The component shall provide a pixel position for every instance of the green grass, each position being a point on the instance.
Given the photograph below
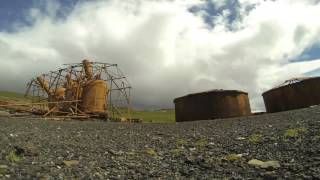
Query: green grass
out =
(13, 157)
(202, 142)
(161, 116)
(291, 133)
(233, 157)
(181, 142)
(156, 116)
(5, 95)
(151, 152)
(176, 152)
(255, 138)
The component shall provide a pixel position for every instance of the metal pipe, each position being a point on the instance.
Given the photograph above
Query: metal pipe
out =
(88, 68)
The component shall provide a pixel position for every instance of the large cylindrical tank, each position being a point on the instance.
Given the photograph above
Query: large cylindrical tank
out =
(211, 105)
(94, 97)
(296, 95)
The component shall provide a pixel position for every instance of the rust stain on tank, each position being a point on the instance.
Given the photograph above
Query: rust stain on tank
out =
(300, 94)
(211, 105)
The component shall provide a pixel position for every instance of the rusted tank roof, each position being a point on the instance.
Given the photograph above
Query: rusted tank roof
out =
(291, 81)
(221, 91)
(295, 93)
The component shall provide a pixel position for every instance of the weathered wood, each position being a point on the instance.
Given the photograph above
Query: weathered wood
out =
(26, 104)
(50, 111)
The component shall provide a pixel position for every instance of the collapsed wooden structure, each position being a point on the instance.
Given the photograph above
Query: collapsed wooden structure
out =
(82, 90)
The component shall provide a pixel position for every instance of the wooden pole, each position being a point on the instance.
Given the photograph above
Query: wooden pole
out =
(50, 111)
(7, 105)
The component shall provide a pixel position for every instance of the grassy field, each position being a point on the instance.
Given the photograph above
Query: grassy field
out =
(160, 116)
(5, 95)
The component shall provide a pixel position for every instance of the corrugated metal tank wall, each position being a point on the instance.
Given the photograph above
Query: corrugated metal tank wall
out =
(211, 105)
(293, 96)
(94, 98)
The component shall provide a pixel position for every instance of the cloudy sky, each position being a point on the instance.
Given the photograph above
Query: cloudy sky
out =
(167, 48)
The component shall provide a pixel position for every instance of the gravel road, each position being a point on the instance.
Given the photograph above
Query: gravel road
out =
(221, 148)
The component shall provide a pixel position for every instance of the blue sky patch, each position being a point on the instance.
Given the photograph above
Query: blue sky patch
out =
(15, 13)
(313, 73)
(309, 54)
(211, 10)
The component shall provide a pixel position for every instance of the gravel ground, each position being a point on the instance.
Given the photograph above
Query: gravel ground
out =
(222, 148)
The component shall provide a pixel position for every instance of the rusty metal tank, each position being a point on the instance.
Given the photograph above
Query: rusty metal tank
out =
(295, 93)
(212, 104)
(94, 97)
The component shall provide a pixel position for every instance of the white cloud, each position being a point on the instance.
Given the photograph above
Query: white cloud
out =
(165, 50)
(219, 3)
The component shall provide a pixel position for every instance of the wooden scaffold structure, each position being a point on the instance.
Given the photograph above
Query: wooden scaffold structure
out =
(82, 90)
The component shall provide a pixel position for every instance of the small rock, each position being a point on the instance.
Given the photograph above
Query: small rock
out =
(113, 152)
(4, 114)
(190, 160)
(234, 157)
(241, 138)
(264, 165)
(165, 165)
(3, 167)
(71, 163)
(243, 154)
(27, 149)
(13, 135)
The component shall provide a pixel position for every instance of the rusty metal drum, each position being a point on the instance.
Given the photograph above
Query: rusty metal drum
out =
(212, 104)
(294, 94)
(94, 97)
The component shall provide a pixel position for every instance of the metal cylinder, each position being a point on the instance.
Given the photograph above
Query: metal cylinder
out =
(211, 105)
(59, 94)
(297, 95)
(88, 68)
(94, 97)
